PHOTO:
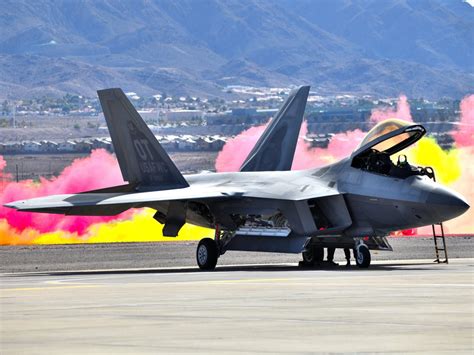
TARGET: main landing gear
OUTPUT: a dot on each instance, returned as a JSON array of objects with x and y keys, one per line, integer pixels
[
  {"x": 314, "y": 255},
  {"x": 207, "y": 254},
  {"x": 209, "y": 250}
]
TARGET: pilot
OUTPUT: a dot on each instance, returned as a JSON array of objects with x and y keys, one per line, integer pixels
[
  {"x": 347, "y": 254},
  {"x": 330, "y": 256}
]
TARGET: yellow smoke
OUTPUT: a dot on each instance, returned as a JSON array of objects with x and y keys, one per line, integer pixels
[
  {"x": 140, "y": 228},
  {"x": 445, "y": 163},
  {"x": 453, "y": 168},
  {"x": 464, "y": 224}
]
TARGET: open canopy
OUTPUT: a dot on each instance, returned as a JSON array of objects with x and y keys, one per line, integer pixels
[{"x": 391, "y": 136}]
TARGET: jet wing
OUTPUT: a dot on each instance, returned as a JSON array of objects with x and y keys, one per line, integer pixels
[
  {"x": 113, "y": 203},
  {"x": 97, "y": 203}
]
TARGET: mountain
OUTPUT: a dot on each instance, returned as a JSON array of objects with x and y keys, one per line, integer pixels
[{"x": 196, "y": 47}]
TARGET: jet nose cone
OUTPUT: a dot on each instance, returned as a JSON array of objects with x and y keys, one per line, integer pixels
[{"x": 448, "y": 203}]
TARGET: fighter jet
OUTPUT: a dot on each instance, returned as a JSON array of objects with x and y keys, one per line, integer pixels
[{"x": 354, "y": 203}]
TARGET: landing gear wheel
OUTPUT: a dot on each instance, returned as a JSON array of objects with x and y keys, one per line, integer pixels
[
  {"x": 312, "y": 256},
  {"x": 363, "y": 257},
  {"x": 308, "y": 257},
  {"x": 207, "y": 254}
]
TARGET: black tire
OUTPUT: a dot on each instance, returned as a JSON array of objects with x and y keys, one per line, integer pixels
[
  {"x": 363, "y": 257},
  {"x": 313, "y": 256},
  {"x": 308, "y": 257},
  {"x": 207, "y": 254}
]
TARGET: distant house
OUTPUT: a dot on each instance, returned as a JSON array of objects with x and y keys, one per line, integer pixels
[
  {"x": 48, "y": 146},
  {"x": 31, "y": 147},
  {"x": 187, "y": 144},
  {"x": 218, "y": 143},
  {"x": 101, "y": 143},
  {"x": 169, "y": 143},
  {"x": 67, "y": 147},
  {"x": 83, "y": 146},
  {"x": 13, "y": 147}
]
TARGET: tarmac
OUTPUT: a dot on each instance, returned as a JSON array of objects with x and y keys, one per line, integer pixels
[
  {"x": 121, "y": 256},
  {"x": 406, "y": 306}
]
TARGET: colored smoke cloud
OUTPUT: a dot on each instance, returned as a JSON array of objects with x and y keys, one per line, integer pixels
[
  {"x": 341, "y": 145},
  {"x": 140, "y": 227},
  {"x": 402, "y": 112},
  {"x": 3, "y": 164},
  {"x": 464, "y": 136},
  {"x": 236, "y": 149},
  {"x": 98, "y": 170}
]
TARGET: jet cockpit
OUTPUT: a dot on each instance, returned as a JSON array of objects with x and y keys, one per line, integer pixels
[{"x": 387, "y": 138}]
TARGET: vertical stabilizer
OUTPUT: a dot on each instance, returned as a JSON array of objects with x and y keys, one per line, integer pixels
[
  {"x": 142, "y": 159},
  {"x": 275, "y": 149}
]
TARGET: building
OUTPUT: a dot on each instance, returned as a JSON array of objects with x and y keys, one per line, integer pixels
[
  {"x": 31, "y": 147},
  {"x": 183, "y": 115}
]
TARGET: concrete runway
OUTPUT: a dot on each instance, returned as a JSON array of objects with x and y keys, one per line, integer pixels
[
  {"x": 407, "y": 307},
  {"x": 155, "y": 255}
]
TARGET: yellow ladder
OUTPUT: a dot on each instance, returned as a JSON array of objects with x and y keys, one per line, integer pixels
[{"x": 439, "y": 239}]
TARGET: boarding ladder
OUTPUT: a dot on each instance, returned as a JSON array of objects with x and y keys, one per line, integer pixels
[{"x": 438, "y": 230}]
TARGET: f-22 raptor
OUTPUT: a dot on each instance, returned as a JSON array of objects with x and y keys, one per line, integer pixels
[{"x": 354, "y": 203}]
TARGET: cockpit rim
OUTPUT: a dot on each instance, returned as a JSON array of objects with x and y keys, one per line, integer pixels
[{"x": 421, "y": 131}]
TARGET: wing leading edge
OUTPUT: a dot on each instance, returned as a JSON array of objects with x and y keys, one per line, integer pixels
[{"x": 111, "y": 203}]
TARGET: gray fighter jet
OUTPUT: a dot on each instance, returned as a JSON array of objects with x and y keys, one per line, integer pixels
[{"x": 353, "y": 203}]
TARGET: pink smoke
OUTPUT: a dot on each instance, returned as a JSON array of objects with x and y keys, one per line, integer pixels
[
  {"x": 402, "y": 112},
  {"x": 3, "y": 164},
  {"x": 340, "y": 146},
  {"x": 98, "y": 170},
  {"x": 464, "y": 136},
  {"x": 234, "y": 152}
]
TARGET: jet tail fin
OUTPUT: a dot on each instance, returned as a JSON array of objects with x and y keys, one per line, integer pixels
[
  {"x": 142, "y": 159},
  {"x": 275, "y": 149}
]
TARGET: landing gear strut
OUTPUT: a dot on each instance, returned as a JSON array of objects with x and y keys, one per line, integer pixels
[{"x": 209, "y": 250}]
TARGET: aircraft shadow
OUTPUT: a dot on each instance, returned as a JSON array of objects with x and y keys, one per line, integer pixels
[{"x": 224, "y": 268}]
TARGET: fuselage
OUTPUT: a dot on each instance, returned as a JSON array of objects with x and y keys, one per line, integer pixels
[
  {"x": 338, "y": 199},
  {"x": 377, "y": 203}
]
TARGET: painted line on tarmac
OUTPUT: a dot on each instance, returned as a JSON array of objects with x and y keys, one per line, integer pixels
[{"x": 47, "y": 288}]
